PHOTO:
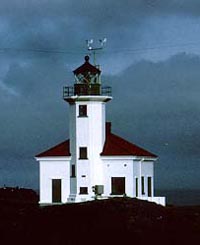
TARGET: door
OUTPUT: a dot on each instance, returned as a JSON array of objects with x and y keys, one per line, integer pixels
[
  {"x": 118, "y": 185},
  {"x": 56, "y": 190}
]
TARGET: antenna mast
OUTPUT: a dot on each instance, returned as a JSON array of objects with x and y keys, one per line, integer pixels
[{"x": 94, "y": 49}]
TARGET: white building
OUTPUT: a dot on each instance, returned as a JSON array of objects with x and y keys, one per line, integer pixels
[{"x": 94, "y": 162}]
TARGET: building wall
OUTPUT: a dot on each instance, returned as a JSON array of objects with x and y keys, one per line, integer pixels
[
  {"x": 130, "y": 169},
  {"x": 83, "y": 175},
  {"x": 112, "y": 167},
  {"x": 121, "y": 167},
  {"x": 54, "y": 169},
  {"x": 87, "y": 132},
  {"x": 72, "y": 135},
  {"x": 145, "y": 169}
]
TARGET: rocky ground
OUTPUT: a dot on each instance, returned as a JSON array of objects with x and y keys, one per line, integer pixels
[{"x": 113, "y": 221}]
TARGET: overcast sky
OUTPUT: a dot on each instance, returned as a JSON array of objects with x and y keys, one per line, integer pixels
[{"x": 151, "y": 59}]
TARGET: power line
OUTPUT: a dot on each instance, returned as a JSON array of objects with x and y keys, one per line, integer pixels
[
  {"x": 143, "y": 49},
  {"x": 54, "y": 51},
  {"x": 123, "y": 51}
]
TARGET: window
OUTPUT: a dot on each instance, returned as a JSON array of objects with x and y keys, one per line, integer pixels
[
  {"x": 83, "y": 153},
  {"x": 142, "y": 180},
  {"x": 83, "y": 190},
  {"x": 149, "y": 187},
  {"x": 136, "y": 187},
  {"x": 118, "y": 185},
  {"x": 82, "y": 110},
  {"x": 73, "y": 173}
]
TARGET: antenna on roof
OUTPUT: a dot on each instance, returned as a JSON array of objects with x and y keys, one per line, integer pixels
[{"x": 94, "y": 49}]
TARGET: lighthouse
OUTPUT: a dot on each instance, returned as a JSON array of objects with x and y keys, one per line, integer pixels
[
  {"x": 87, "y": 101},
  {"x": 93, "y": 163}
]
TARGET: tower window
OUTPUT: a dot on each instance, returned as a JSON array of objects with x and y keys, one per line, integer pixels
[
  {"x": 83, "y": 153},
  {"x": 73, "y": 170},
  {"x": 82, "y": 110},
  {"x": 83, "y": 190}
]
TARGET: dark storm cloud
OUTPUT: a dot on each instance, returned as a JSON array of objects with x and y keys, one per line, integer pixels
[
  {"x": 165, "y": 97},
  {"x": 61, "y": 24},
  {"x": 103, "y": 11},
  {"x": 65, "y": 25},
  {"x": 29, "y": 115},
  {"x": 156, "y": 104}
]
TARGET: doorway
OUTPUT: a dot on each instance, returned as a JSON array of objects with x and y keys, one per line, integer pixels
[
  {"x": 56, "y": 190},
  {"x": 118, "y": 185}
]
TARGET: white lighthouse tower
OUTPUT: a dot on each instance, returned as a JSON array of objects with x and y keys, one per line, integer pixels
[
  {"x": 94, "y": 162},
  {"x": 87, "y": 100}
]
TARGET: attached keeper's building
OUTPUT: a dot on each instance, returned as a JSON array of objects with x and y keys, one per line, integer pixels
[{"x": 94, "y": 162}]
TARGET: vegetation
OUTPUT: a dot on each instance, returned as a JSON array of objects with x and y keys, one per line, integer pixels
[{"x": 113, "y": 221}]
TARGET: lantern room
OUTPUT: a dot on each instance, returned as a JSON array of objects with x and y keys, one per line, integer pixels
[{"x": 87, "y": 82}]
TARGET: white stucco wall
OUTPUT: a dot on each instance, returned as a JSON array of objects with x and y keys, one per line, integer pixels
[
  {"x": 83, "y": 175},
  {"x": 145, "y": 169},
  {"x": 54, "y": 168},
  {"x": 148, "y": 171},
  {"x": 118, "y": 167},
  {"x": 87, "y": 132},
  {"x": 130, "y": 168},
  {"x": 72, "y": 136}
]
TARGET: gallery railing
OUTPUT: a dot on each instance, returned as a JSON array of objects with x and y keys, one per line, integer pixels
[{"x": 85, "y": 89}]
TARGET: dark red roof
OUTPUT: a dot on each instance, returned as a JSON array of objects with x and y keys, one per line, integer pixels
[
  {"x": 60, "y": 150},
  {"x": 116, "y": 146},
  {"x": 86, "y": 67}
]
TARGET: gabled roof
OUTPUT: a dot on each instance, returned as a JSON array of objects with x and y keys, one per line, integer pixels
[
  {"x": 60, "y": 150},
  {"x": 86, "y": 67},
  {"x": 117, "y": 146},
  {"x": 114, "y": 146}
]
